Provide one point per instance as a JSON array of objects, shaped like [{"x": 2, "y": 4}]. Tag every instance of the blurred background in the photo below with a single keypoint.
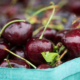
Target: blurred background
[{"x": 23, "y": 9}]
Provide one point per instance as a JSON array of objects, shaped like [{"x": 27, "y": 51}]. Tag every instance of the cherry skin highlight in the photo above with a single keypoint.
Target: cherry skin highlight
[
  {"x": 18, "y": 51},
  {"x": 71, "y": 41},
  {"x": 18, "y": 33},
  {"x": 59, "y": 35}
]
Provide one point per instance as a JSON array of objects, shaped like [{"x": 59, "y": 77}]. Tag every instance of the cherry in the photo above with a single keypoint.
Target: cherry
[
  {"x": 18, "y": 51},
  {"x": 71, "y": 40},
  {"x": 17, "y": 33},
  {"x": 12, "y": 11},
  {"x": 15, "y": 64},
  {"x": 60, "y": 34},
  {"x": 34, "y": 47},
  {"x": 3, "y": 53},
  {"x": 44, "y": 66},
  {"x": 48, "y": 34},
  {"x": 74, "y": 6}
]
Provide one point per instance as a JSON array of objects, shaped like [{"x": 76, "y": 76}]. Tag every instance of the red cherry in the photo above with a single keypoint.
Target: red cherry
[
  {"x": 34, "y": 47},
  {"x": 44, "y": 66},
  {"x": 18, "y": 33},
  {"x": 15, "y": 64},
  {"x": 60, "y": 34},
  {"x": 74, "y": 6},
  {"x": 71, "y": 40}
]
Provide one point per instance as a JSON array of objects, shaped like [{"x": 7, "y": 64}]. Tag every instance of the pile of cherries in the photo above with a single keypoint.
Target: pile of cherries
[{"x": 47, "y": 49}]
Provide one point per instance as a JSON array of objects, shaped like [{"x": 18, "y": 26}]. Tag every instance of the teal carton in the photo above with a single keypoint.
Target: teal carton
[{"x": 67, "y": 71}]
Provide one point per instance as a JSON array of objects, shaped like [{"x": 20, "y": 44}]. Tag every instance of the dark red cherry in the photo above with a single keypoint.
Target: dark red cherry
[
  {"x": 18, "y": 51},
  {"x": 71, "y": 40},
  {"x": 34, "y": 47},
  {"x": 44, "y": 66},
  {"x": 48, "y": 34},
  {"x": 3, "y": 53},
  {"x": 15, "y": 64},
  {"x": 74, "y": 6},
  {"x": 18, "y": 33},
  {"x": 60, "y": 34}
]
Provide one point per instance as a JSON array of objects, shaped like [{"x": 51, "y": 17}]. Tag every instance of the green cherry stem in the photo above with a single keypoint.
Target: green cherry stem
[
  {"x": 37, "y": 30},
  {"x": 63, "y": 54},
  {"x": 47, "y": 23},
  {"x": 8, "y": 63},
  {"x": 20, "y": 58},
  {"x": 58, "y": 62},
  {"x": 9, "y": 24},
  {"x": 41, "y": 10}
]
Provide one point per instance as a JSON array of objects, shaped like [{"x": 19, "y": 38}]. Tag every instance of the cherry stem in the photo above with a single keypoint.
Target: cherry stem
[
  {"x": 62, "y": 3},
  {"x": 58, "y": 62},
  {"x": 76, "y": 20},
  {"x": 9, "y": 24},
  {"x": 47, "y": 23},
  {"x": 63, "y": 54},
  {"x": 20, "y": 58},
  {"x": 7, "y": 56},
  {"x": 8, "y": 63},
  {"x": 37, "y": 30},
  {"x": 43, "y": 9},
  {"x": 59, "y": 44}
]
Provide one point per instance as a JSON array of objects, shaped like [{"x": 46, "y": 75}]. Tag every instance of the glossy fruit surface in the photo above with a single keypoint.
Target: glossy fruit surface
[
  {"x": 18, "y": 33},
  {"x": 18, "y": 51},
  {"x": 48, "y": 34},
  {"x": 44, "y": 66},
  {"x": 15, "y": 64},
  {"x": 34, "y": 47},
  {"x": 72, "y": 42},
  {"x": 60, "y": 34},
  {"x": 3, "y": 53}
]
